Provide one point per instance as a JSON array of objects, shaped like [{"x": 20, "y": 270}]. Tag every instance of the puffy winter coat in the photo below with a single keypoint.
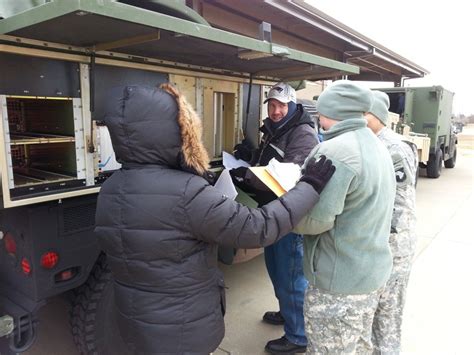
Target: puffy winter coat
[{"x": 160, "y": 222}]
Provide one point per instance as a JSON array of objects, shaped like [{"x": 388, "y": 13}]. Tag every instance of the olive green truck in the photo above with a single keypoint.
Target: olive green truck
[
  {"x": 427, "y": 111},
  {"x": 59, "y": 59}
]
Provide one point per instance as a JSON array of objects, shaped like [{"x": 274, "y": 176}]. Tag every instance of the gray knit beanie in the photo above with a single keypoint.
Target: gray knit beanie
[
  {"x": 343, "y": 100},
  {"x": 380, "y": 106}
]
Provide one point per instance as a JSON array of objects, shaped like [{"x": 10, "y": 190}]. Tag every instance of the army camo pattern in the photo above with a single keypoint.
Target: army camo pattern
[
  {"x": 337, "y": 323},
  {"x": 386, "y": 331},
  {"x": 387, "y": 325},
  {"x": 405, "y": 162}
]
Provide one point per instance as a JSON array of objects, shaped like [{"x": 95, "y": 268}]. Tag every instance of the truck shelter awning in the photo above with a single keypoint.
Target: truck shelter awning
[
  {"x": 105, "y": 25},
  {"x": 304, "y": 27}
]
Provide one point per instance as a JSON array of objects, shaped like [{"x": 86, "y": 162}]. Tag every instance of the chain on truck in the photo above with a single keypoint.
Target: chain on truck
[{"x": 59, "y": 60}]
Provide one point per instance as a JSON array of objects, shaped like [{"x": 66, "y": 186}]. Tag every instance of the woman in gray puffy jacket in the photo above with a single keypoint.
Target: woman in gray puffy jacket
[{"x": 159, "y": 222}]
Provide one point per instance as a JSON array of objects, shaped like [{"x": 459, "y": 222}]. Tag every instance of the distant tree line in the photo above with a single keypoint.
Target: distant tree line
[{"x": 465, "y": 119}]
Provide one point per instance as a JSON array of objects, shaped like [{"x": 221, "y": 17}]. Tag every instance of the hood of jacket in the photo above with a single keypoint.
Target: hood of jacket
[{"x": 155, "y": 126}]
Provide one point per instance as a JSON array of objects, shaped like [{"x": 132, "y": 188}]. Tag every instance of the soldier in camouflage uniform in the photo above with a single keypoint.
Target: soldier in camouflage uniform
[
  {"x": 346, "y": 325},
  {"x": 347, "y": 258},
  {"x": 386, "y": 333}
]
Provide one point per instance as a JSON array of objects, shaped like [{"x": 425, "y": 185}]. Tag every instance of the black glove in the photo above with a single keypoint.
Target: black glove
[
  {"x": 318, "y": 173},
  {"x": 238, "y": 174},
  {"x": 243, "y": 151}
]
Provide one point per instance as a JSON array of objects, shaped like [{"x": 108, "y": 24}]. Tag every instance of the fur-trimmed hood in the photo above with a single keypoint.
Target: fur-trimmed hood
[{"x": 151, "y": 125}]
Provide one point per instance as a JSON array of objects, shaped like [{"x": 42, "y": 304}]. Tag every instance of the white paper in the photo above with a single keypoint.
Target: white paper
[
  {"x": 225, "y": 185},
  {"x": 106, "y": 151},
  {"x": 287, "y": 174},
  {"x": 230, "y": 162}
]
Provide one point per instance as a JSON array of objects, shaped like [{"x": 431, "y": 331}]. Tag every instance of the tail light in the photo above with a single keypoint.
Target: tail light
[
  {"x": 26, "y": 266},
  {"x": 10, "y": 244},
  {"x": 66, "y": 275},
  {"x": 49, "y": 260}
]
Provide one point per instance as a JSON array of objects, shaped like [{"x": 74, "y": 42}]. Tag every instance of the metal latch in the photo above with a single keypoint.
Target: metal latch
[{"x": 6, "y": 325}]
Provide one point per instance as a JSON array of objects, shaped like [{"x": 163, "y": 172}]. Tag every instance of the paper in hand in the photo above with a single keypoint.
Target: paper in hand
[
  {"x": 287, "y": 174},
  {"x": 230, "y": 162},
  {"x": 225, "y": 185}
]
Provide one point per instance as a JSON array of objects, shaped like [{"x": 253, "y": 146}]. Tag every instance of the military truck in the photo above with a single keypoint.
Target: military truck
[
  {"x": 427, "y": 110},
  {"x": 59, "y": 59}
]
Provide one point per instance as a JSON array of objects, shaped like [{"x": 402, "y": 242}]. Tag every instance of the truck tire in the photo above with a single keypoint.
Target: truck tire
[
  {"x": 93, "y": 323},
  {"x": 435, "y": 163},
  {"x": 451, "y": 162}
]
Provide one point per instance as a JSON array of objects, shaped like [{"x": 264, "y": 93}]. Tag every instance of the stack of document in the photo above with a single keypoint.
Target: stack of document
[
  {"x": 279, "y": 177},
  {"x": 287, "y": 174}
]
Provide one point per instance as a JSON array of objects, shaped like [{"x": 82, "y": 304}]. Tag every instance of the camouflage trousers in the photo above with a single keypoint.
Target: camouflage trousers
[
  {"x": 387, "y": 327},
  {"x": 339, "y": 324}
]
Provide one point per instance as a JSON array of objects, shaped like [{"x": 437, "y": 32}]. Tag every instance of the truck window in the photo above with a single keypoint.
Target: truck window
[{"x": 397, "y": 102}]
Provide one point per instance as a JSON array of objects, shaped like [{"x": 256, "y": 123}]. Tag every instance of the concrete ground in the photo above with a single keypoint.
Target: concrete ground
[{"x": 439, "y": 312}]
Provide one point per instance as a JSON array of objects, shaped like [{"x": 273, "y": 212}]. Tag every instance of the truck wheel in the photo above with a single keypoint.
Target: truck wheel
[
  {"x": 93, "y": 323},
  {"x": 451, "y": 162},
  {"x": 435, "y": 163}
]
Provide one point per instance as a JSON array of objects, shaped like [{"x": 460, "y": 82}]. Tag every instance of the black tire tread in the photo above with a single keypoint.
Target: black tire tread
[
  {"x": 451, "y": 162},
  {"x": 433, "y": 168},
  {"x": 84, "y": 306}
]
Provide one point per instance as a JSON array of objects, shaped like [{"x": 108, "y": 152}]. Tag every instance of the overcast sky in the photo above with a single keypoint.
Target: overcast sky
[{"x": 435, "y": 35}]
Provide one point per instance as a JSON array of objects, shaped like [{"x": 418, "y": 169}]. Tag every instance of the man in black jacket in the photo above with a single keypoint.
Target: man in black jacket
[{"x": 289, "y": 135}]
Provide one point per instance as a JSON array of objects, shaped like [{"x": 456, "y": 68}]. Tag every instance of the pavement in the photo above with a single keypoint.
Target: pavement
[{"x": 439, "y": 313}]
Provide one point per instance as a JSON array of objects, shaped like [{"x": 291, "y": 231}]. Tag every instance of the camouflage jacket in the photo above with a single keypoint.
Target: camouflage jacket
[{"x": 405, "y": 162}]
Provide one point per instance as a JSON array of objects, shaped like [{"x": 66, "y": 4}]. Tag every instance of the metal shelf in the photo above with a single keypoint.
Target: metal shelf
[
  {"x": 38, "y": 138},
  {"x": 31, "y": 176}
]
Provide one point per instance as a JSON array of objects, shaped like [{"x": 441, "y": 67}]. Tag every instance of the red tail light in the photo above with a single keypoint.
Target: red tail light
[
  {"x": 10, "y": 244},
  {"x": 49, "y": 260},
  {"x": 25, "y": 266},
  {"x": 66, "y": 275}
]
